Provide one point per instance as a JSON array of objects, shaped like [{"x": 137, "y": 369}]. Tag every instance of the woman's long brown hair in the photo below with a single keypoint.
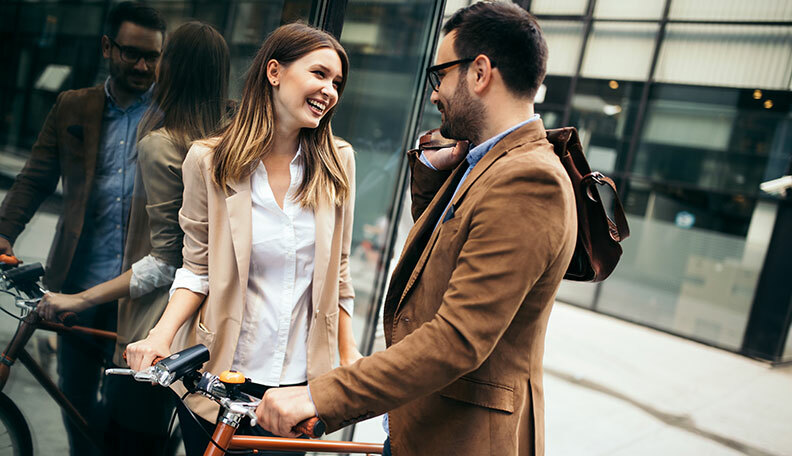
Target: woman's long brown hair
[
  {"x": 189, "y": 99},
  {"x": 249, "y": 136}
]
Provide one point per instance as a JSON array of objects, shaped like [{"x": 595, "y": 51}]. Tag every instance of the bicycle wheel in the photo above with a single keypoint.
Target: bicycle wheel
[{"x": 14, "y": 432}]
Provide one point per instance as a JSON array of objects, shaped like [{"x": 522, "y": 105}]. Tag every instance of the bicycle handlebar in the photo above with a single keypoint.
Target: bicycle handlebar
[{"x": 184, "y": 366}]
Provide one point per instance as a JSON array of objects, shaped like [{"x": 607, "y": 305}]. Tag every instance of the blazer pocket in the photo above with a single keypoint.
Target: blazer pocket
[
  {"x": 481, "y": 393},
  {"x": 204, "y": 336}
]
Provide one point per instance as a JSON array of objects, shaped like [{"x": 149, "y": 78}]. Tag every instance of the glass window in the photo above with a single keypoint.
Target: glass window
[
  {"x": 564, "y": 41},
  {"x": 629, "y": 9},
  {"x": 620, "y": 51},
  {"x": 727, "y": 55},
  {"x": 787, "y": 356},
  {"x": 734, "y": 10},
  {"x": 559, "y": 6},
  {"x": 726, "y": 140},
  {"x": 387, "y": 44}
]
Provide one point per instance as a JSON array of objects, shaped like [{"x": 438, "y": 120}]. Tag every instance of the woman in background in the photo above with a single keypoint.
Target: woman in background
[
  {"x": 189, "y": 103},
  {"x": 267, "y": 217}
]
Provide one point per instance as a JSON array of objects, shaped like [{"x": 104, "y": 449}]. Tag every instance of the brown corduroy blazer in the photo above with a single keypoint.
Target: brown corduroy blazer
[
  {"x": 66, "y": 148},
  {"x": 467, "y": 309},
  {"x": 217, "y": 241}
]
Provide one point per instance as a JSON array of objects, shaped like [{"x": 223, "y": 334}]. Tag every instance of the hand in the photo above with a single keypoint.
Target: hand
[
  {"x": 449, "y": 157},
  {"x": 5, "y": 247},
  {"x": 283, "y": 408},
  {"x": 53, "y": 304},
  {"x": 141, "y": 354},
  {"x": 348, "y": 357}
]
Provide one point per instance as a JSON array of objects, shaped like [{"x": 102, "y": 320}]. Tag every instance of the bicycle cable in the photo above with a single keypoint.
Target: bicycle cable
[
  {"x": 5, "y": 310},
  {"x": 198, "y": 422}
]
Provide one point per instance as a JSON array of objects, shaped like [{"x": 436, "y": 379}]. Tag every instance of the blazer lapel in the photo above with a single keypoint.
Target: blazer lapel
[
  {"x": 527, "y": 133},
  {"x": 415, "y": 247},
  {"x": 239, "y": 207},
  {"x": 324, "y": 221}
]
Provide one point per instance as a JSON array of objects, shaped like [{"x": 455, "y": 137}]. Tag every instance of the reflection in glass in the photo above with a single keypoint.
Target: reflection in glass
[
  {"x": 620, "y": 51},
  {"x": 629, "y": 9},
  {"x": 564, "y": 41},
  {"x": 750, "y": 56},
  {"x": 387, "y": 44}
]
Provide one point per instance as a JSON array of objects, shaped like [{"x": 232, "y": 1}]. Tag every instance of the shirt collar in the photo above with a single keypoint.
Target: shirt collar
[
  {"x": 478, "y": 152},
  {"x": 144, "y": 98}
]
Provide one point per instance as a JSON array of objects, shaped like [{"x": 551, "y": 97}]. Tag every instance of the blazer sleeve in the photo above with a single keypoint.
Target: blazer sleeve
[
  {"x": 37, "y": 180},
  {"x": 194, "y": 213},
  {"x": 345, "y": 289},
  {"x": 424, "y": 183},
  {"x": 496, "y": 268},
  {"x": 161, "y": 173}
]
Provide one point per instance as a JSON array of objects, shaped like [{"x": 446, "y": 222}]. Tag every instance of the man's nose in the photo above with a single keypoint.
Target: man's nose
[
  {"x": 141, "y": 65},
  {"x": 434, "y": 98}
]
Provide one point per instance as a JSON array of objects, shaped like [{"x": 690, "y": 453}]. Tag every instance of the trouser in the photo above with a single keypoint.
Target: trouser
[
  {"x": 138, "y": 415},
  {"x": 81, "y": 362}
]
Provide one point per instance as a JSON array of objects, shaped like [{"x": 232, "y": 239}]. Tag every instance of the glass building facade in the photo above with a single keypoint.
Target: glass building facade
[{"x": 685, "y": 103}]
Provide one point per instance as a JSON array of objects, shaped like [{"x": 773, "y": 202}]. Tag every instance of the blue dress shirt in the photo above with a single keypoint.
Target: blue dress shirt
[{"x": 101, "y": 247}]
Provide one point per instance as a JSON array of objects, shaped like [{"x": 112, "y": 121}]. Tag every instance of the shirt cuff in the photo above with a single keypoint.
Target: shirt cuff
[
  {"x": 316, "y": 412},
  {"x": 148, "y": 274},
  {"x": 198, "y": 283},
  {"x": 348, "y": 304},
  {"x": 426, "y": 161}
]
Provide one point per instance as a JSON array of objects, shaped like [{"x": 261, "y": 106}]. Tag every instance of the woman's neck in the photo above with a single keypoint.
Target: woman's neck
[{"x": 285, "y": 141}]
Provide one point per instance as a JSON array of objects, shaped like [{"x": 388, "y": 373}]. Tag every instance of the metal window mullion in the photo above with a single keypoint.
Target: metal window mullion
[{"x": 587, "y": 26}]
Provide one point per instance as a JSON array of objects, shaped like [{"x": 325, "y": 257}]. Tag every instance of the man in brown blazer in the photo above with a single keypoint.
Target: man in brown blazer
[
  {"x": 468, "y": 303},
  {"x": 88, "y": 143}
]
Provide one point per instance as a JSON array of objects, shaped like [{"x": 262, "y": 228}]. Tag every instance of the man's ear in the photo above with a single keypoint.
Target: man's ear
[
  {"x": 481, "y": 70},
  {"x": 273, "y": 72},
  {"x": 107, "y": 47}
]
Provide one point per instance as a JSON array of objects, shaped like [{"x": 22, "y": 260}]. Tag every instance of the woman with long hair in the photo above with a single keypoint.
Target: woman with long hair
[
  {"x": 267, "y": 217},
  {"x": 189, "y": 102}
]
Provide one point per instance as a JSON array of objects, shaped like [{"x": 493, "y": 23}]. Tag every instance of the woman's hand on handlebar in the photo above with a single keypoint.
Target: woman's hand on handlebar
[
  {"x": 53, "y": 304},
  {"x": 283, "y": 408},
  {"x": 140, "y": 355}
]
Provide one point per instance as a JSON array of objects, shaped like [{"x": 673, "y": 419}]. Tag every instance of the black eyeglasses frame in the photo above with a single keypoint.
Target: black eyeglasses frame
[{"x": 130, "y": 54}]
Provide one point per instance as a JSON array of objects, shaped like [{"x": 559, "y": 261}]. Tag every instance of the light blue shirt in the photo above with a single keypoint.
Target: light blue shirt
[{"x": 101, "y": 247}]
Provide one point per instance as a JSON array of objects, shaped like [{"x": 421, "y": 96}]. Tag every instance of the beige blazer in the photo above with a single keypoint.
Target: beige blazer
[
  {"x": 153, "y": 229},
  {"x": 217, "y": 241},
  {"x": 467, "y": 308}
]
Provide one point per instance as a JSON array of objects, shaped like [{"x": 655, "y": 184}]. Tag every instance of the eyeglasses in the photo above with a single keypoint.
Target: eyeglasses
[
  {"x": 434, "y": 75},
  {"x": 133, "y": 55}
]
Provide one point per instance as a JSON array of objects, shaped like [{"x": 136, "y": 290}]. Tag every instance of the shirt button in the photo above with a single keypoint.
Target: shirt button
[
  {"x": 120, "y": 170},
  {"x": 118, "y": 255},
  {"x": 118, "y": 227},
  {"x": 118, "y": 199},
  {"x": 122, "y": 143}
]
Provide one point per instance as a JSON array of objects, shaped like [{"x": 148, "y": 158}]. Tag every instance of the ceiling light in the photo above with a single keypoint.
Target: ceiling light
[
  {"x": 757, "y": 94},
  {"x": 613, "y": 85},
  {"x": 768, "y": 104}
]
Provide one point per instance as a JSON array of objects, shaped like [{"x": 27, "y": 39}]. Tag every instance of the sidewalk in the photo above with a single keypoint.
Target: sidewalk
[{"x": 615, "y": 388}]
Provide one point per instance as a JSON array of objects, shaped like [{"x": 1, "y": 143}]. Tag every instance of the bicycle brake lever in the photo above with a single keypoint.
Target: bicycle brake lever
[{"x": 141, "y": 376}]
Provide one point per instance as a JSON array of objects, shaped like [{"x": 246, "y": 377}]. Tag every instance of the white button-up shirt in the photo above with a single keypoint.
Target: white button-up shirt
[{"x": 272, "y": 347}]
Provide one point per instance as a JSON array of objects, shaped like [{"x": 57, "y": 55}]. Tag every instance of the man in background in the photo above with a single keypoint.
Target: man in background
[{"x": 88, "y": 141}]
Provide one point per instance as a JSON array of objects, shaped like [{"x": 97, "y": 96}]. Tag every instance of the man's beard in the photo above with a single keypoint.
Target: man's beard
[
  {"x": 119, "y": 74},
  {"x": 462, "y": 115}
]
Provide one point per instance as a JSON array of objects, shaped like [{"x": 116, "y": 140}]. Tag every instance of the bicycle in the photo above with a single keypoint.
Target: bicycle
[
  {"x": 231, "y": 391},
  {"x": 22, "y": 282}
]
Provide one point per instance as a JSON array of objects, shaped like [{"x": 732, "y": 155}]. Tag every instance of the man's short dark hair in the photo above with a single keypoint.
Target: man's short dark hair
[
  {"x": 136, "y": 13},
  {"x": 509, "y": 36}
]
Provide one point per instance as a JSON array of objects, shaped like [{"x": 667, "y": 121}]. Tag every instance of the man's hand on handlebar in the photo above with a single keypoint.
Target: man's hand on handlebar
[
  {"x": 53, "y": 304},
  {"x": 283, "y": 408},
  {"x": 140, "y": 355}
]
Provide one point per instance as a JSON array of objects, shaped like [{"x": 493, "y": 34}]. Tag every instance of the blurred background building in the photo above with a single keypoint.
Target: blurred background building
[{"x": 685, "y": 103}]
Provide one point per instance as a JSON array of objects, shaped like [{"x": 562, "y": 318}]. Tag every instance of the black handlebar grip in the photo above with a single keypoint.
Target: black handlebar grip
[
  {"x": 312, "y": 427},
  {"x": 68, "y": 318},
  {"x": 185, "y": 361}
]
